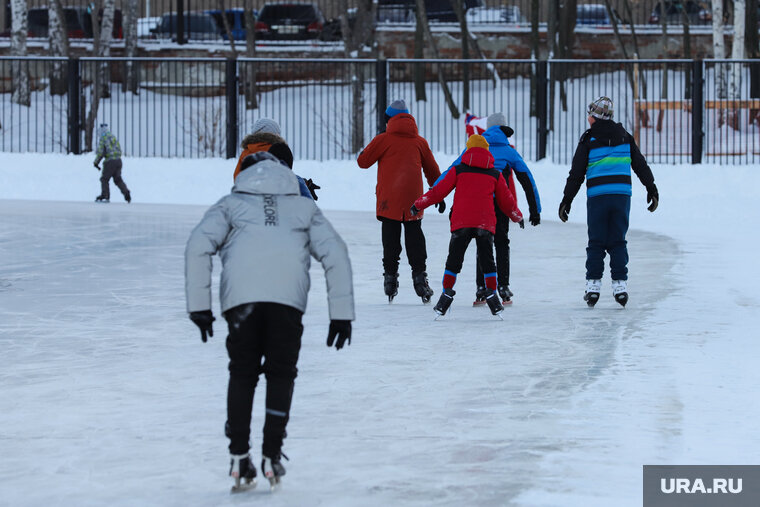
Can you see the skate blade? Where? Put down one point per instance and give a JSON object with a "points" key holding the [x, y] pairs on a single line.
{"points": [[622, 299], [243, 486], [591, 299], [274, 483], [507, 302], [477, 303], [498, 316]]}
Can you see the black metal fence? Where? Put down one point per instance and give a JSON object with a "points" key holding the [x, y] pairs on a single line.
{"points": [[201, 19], [680, 111]]}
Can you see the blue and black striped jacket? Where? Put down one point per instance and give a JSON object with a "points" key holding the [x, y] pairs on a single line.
{"points": [[604, 158]]}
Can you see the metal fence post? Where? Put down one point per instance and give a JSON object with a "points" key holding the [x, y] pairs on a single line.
{"points": [[381, 78], [74, 144], [542, 82], [231, 82], [697, 111], [181, 22]]}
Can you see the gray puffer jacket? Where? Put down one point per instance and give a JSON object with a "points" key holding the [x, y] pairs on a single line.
{"points": [[266, 234]]}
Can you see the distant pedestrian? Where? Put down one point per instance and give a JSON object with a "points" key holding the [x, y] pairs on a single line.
{"points": [[265, 234], [479, 189], [400, 153], [604, 158], [110, 150]]}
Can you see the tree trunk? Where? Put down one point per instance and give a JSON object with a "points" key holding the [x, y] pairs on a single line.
{"points": [[59, 46], [737, 53], [551, 36], [752, 50], [719, 53], [465, 37], [102, 34], [131, 79], [419, 53], [616, 29], [434, 48], [534, 55], [686, 52], [227, 29], [664, 52], [249, 69], [19, 69], [567, 15]]}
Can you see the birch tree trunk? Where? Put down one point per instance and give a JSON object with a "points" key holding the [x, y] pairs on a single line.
{"points": [[419, 53], [249, 69], [19, 69], [567, 19], [227, 29], [59, 46], [459, 10], [130, 42], [686, 51], [534, 55], [664, 78], [102, 34], [719, 52], [737, 53], [434, 48], [752, 50]]}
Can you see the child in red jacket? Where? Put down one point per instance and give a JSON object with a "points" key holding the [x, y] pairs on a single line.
{"points": [[472, 216]]}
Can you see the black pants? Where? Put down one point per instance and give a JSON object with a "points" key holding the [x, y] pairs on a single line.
{"points": [[501, 242], [460, 240], [414, 239], [272, 332], [112, 169]]}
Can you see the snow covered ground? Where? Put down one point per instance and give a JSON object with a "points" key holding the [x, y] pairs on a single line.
{"points": [[107, 395]]}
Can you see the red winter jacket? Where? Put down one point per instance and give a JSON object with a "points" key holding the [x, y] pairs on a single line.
{"points": [[399, 153], [476, 182]]}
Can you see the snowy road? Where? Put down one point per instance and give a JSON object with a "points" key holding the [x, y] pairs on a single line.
{"points": [[109, 397]]}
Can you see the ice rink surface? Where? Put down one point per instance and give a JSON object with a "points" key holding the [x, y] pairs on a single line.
{"points": [[109, 397]]}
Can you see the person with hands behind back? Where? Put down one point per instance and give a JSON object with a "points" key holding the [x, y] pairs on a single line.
{"points": [[265, 234], [604, 157]]}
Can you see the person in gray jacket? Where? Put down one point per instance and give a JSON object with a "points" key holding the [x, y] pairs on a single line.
{"points": [[266, 234]]}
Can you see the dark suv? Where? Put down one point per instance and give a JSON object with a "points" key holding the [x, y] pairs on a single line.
{"points": [[78, 22], [438, 11], [697, 13], [289, 21], [198, 26]]}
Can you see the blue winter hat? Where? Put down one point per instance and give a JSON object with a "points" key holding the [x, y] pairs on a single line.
{"points": [[396, 107]]}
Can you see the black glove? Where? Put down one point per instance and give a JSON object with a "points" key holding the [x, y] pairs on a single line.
{"points": [[203, 320], [564, 210], [653, 197], [441, 206], [341, 329], [96, 166], [312, 187], [521, 223], [534, 219], [414, 211]]}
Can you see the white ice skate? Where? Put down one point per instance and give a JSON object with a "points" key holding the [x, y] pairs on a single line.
{"points": [[620, 291]]}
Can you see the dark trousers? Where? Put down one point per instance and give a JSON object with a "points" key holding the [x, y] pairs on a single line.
{"points": [[414, 239], [607, 217], [112, 169], [261, 331], [501, 242], [460, 240]]}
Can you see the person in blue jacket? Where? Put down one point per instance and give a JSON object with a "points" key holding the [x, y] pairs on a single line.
{"points": [[509, 162]]}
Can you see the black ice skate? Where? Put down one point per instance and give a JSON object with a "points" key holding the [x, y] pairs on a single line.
{"points": [[100, 198], [494, 304], [480, 296], [442, 306], [592, 292], [128, 197], [506, 295], [272, 469], [421, 286], [390, 284], [619, 288], [243, 471]]}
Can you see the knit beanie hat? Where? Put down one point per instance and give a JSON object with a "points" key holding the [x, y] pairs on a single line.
{"points": [[477, 141], [282, 152], [267, 125], [496, 119], [396, 107], [601, 108]]}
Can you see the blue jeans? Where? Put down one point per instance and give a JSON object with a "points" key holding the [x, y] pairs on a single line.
{"points": [[607, 217]]}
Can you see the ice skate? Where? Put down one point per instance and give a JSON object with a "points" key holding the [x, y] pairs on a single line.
{"points": [[444, 302], [243, 471], [480, 296], [592, 292], [421, 286], [272, 469], [390, 284], [619, 291], [506, 295], [128, 197], [494, 304], [100, 198]]}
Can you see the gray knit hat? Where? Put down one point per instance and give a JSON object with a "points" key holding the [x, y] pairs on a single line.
{"points": [[496, 119], [396, 107], [266, 125], [601, 108]]}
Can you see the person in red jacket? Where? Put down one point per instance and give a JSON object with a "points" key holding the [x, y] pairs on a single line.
{"points": [[400, 152], [472, 216]]}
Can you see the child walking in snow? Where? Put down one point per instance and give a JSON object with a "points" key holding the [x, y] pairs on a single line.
{"points": [[472, 216]]}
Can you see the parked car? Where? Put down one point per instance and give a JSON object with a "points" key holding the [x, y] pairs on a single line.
{"points": [[197, 25], [395, 13], [236, 20], [438, 11], [289, 21], [78, 22], [333, 30], [697, 13], [592, 14]]}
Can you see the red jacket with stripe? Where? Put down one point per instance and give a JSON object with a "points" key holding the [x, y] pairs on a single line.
{"points": [[476, 182]]}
